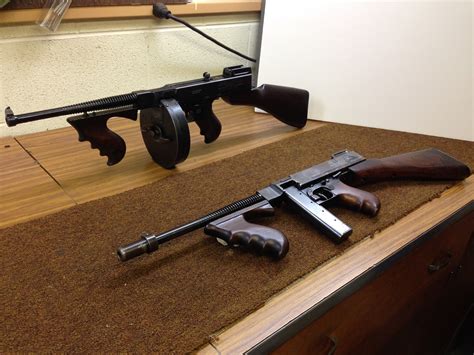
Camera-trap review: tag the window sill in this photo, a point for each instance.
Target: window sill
(201, 7)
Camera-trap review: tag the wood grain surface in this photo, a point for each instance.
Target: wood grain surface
(27, 190)
(417, 308)
(201, 7)
(64, 171)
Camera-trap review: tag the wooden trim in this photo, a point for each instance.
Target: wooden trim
(293, 328)
(201, 7)
(325, 281)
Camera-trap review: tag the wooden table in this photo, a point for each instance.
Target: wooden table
(49, 171)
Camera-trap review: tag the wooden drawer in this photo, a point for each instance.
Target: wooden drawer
(378, 317)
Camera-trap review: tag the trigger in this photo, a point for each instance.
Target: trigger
(222, 241)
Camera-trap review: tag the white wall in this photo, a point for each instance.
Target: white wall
(90, 60)
(401, 65)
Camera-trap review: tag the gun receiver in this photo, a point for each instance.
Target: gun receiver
(166, 111)
(309, 192)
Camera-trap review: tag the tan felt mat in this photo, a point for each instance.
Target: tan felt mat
(63, 289)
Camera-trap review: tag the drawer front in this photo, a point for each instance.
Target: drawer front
(386, 307)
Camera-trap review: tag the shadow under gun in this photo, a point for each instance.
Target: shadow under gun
(166, 111)
(309, 192)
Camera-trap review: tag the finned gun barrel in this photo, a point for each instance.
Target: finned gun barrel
(276, 247)
(88, 106)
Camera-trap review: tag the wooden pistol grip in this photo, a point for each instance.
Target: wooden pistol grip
(94, 129)
(355, 199)
(289, 105)
(237, 231)
(429, 164)
(209, 125)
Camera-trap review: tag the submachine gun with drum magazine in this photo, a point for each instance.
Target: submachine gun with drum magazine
(166, 111)
(309, 191)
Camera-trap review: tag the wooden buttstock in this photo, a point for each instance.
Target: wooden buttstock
(289, 105)
(429, 164)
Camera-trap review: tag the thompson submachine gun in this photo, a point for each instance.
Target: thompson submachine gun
(166, 111)
(307, 192)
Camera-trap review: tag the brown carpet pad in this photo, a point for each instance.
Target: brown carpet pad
(63, 289)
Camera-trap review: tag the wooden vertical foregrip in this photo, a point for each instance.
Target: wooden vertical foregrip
(93, 128)
(429, 164)
(235, 230)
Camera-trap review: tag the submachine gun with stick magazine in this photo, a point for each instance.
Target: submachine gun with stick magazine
(309, 191)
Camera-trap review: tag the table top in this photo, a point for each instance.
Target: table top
(50, 171)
